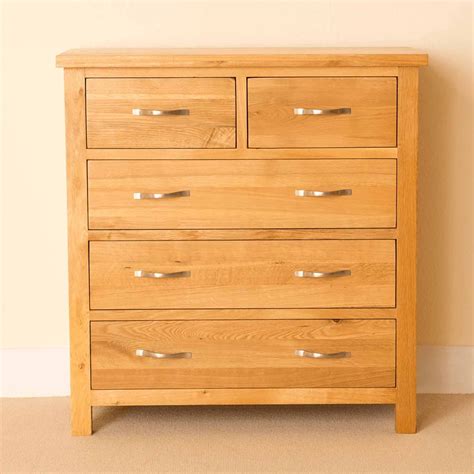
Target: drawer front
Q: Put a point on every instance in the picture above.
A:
(242, 194)
(244, 354)
(322, 112)
(242, 274)
(182, 113)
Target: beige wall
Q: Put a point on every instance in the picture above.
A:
(34, 212)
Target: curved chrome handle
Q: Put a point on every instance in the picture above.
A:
(337, 192)
(321, 355)
(160, 355)
(340, 111)
(156, 112)
(161, 195)
(338, 273)
(143, 274)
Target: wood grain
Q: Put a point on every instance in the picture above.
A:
(240, 153)
(406, 251)
(273, 124)
(241, 111)
(244, 354)
(239, 194)
(244, 396)
(241, 57)
(233, 314)
(243, 234)
(261, 71)
(235, 274)
(210, 123)
(81, 409)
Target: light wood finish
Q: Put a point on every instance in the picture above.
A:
(241, 269)
(406, 251)
(243, 234)
(233, 314)
(244, 396)
(245, 354)
(241, 57)
(241, 113)
(210, 123)
(244, 73)
(240, 194)
(81, 409)
(240, 154)
(273, 123)
(235, 274)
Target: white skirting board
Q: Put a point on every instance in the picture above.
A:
(39, 372)
(445, 369)
(45, 372)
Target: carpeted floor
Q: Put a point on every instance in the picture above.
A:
(302, 439)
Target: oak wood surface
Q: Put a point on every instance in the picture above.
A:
(242, 234)
(406, 252)
(239, 153)
(261, 71)
(241, 57)
(81, 411)
(236, 274)
(241, 111)
(239, 194)
(210, 123)
(273, 123)
(243, 354)
(243, 396)
(233, 314)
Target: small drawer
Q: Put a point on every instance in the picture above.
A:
(244, 354)
(242, 274)
(242, 194)
(322, 112)
(161, 113)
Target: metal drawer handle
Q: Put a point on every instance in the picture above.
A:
(338, 273)
(320, 355)
(156, 112)
(162, 195)
(143, 274)
(160, 355)
(340, 111)
(337, 192)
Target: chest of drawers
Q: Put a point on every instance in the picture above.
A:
(242, 227)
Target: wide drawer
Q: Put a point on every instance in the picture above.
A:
(322, 112)
(161, 113)
(242, 274)
(237, 354)
(188, 194)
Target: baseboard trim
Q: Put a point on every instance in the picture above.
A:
(44, 372)
(445, 369)
(34, 372)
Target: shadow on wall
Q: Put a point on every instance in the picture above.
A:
(444, 201)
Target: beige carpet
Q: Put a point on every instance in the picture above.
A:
(302, 439)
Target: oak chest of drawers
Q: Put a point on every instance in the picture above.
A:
(242, 227)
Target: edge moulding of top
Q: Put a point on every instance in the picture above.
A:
(242, 57)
